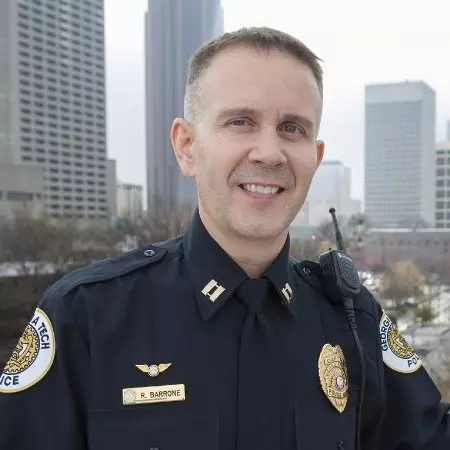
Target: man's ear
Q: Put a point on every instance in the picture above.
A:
(320, 150)
(182, 137)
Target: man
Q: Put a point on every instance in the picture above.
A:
(217, 339)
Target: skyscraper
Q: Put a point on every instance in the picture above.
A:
(448, 131)
(52, 108)
(330, 187)
(443, 184)
(129, 200)
(174, 30)
(400, 154)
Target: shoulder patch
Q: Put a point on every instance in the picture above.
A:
(32, 357)
(398, 355)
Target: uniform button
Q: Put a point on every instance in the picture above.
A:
(150, 253)
(341, 445)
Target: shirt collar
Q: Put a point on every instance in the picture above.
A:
(215, 275)
(280, 274)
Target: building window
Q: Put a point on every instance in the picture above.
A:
(15, 196)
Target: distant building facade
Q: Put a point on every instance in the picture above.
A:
(21, 191)
(331, 187)
(174, 30)
(129, 200)
(52, 101)
(443, 184)
(111, 182)
(399, 154)
(429, 249)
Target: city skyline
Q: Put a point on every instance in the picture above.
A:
(354, 54)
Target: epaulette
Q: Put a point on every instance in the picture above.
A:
(107, 269)
(366, 302)
(312, 273)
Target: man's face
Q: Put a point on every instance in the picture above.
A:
(253, 151)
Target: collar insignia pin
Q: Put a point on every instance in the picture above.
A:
(287, 292)
(213, 290)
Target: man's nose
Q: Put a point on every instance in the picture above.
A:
(268, 149)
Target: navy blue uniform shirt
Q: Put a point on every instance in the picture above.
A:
(142, 352)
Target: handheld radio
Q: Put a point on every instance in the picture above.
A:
(342, 283)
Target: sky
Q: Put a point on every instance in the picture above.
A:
(359, 41)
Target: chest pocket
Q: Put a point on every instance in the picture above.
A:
(321, 426)
(149, 428)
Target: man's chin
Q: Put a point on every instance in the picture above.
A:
(256, 229)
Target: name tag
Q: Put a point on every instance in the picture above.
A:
(154, 394)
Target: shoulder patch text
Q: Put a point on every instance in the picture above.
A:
(398, 355)
(32, 357)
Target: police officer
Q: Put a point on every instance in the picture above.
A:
(218, 339)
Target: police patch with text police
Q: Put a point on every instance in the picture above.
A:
(398, 355)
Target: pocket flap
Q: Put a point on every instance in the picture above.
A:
(165, 428)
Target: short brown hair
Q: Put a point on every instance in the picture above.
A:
(258, 38)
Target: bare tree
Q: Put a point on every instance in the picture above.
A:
(37, 245)
(325, 231)
(443, 270)
(24, 243)
(353, 229)
(157, 227)
(403, 291)
(403, 280)
(437, 363)
(445, 384)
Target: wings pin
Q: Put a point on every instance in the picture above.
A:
(153, 370)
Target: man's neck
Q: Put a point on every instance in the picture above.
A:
(254, 256)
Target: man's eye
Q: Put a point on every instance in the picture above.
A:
(292, 129)
(239, 122)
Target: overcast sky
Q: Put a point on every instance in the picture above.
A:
(360, 42)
